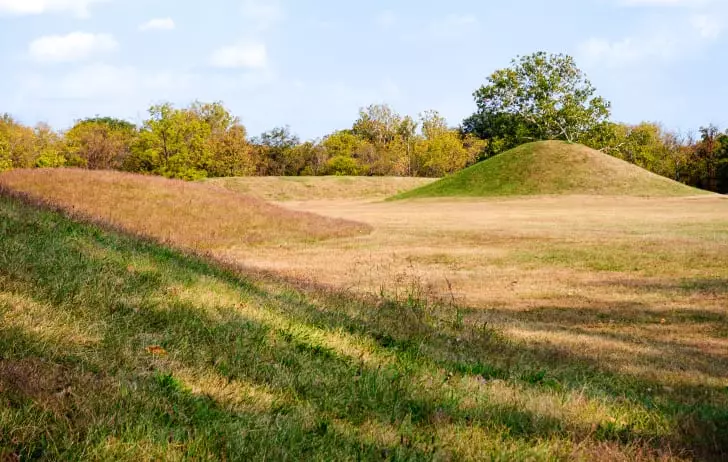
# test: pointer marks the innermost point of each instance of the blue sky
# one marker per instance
(312, 65)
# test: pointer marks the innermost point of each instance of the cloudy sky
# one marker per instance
(313, 64)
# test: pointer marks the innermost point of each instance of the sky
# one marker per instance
(313, 64)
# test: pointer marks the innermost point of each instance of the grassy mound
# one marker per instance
(187, 214)
(552, 168)
(306, 188)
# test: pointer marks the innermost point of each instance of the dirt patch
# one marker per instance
(49, 385)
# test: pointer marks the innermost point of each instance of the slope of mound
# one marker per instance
(552, 168)
(114, 348)
(187, 214)
(305, 188)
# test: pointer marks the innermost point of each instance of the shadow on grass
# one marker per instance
(328, 401)
(697, 413)
(696, 286)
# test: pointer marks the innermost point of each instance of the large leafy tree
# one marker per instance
(100, 143)
(173, 143)
(711, 159)
(442, 150)
(276, 150)
(17, 144)
(539, 97)
(191, 143)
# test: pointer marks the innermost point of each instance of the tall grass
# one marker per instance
(184, 214)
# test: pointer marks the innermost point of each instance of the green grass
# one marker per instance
(551, 168)
(112, 348)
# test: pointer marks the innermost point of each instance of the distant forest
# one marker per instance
(539, 97)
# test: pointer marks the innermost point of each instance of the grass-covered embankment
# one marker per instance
(118, 349)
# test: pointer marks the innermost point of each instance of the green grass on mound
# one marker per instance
(112, 348)
(552, 168)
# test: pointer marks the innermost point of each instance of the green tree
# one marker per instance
(232, 154)
(342, 143)
(100, 143)
(17, 144)
(49, 147)
(276, 151)
(441, 150)
(711, 157)
(540, 97)
(343, 166)
(378, 124)
(191, 143)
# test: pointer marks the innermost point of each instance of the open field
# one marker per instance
(281, 189)
(558, 327)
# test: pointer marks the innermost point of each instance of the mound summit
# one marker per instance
(552, 168)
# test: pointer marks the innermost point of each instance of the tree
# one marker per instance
(343, 166)
(722, 164)
(712, 156)
(100, 143)
(408, 135)
(191, 143)
(172, 143)
(232, 154)
(276, 150)
(49, 148)
(540, 97)
(17, 145)
(378, 124)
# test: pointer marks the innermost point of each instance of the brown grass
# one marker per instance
(639, 286)
(283, 189)
(186, 214)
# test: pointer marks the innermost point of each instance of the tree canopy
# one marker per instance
(539, 97)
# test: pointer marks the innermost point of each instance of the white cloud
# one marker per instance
(107, 83)
(245, 55)
(387, 19)
(447, 28)
(76, 46)
(158, 24)
(628, 50)
(453, 26)
(709, 27)
(673, 37)
(79, 8)
(133, 88)
(262, 14)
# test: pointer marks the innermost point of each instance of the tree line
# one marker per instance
(205, 140)
(539, 97)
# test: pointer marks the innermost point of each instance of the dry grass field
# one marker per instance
(281, 189)
(540, 328)
(177, 212)
(637, 286)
